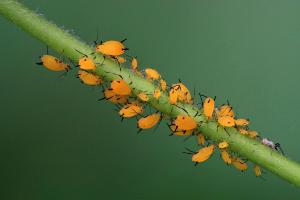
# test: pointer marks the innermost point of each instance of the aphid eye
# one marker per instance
(84, 59)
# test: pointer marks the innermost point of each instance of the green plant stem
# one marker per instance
(64, 43)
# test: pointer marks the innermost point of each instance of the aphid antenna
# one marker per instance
(278, 148)
(122, 41)
(181, 108)
(81, 53)
(157, 125)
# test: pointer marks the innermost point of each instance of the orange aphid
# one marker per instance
(86, 63)
(223, 145)
(52, 63)
(257, 170)
(239, 164)
(114, 98)
(242, 122)
(243, 131)
(149, 121)
(225, 110)
(112, 48)
(173, 96)
(143, 96)
(157, 93)
(152, 74)
(226, 156)
(163, 84)
(120, 87)
(201, 139)
(121, 59)
(185, 123)
(89, 78)
(253, 134)
(226, 121)
(179, 132)
(130, 110)
(203, 154)
(183, 92)
(134, 63)
(208, 107)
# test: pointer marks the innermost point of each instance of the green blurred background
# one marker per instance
(58, 142)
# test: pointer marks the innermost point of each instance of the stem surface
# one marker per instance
(64, 43)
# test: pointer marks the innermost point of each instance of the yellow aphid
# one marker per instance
(242, 122)
(239, 164)
(226, 156)
(152, 74)
(185, 123)
(157, 93)
(89, 78)
(226, 121)
(208, 107)
(131, 110)
(253, 134)
(86, 63)
(223, 145)
(112, 48)
(225, 110)
(134, 64)
(149, 121)
(173, 96)
(163, 84)
(52, 63)
(143, 96)
(201, 139)
(243, 131)
(120, 87)
(114, 98)
(121, 59)
(180, 132)
(257, 170)
(203, 154)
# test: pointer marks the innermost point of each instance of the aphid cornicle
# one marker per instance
(131, 109)
(120, 87)
(149, 121)
(152, 74)
(52, 63)
(112, 48)
(114, 98)
(89, 78)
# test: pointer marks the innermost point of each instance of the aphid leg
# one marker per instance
(139, 131)
(278, 148)
(122, 41)
(226, 131)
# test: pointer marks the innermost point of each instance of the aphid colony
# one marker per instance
(121, 93)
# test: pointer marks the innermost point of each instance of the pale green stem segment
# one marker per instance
(64, 43)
